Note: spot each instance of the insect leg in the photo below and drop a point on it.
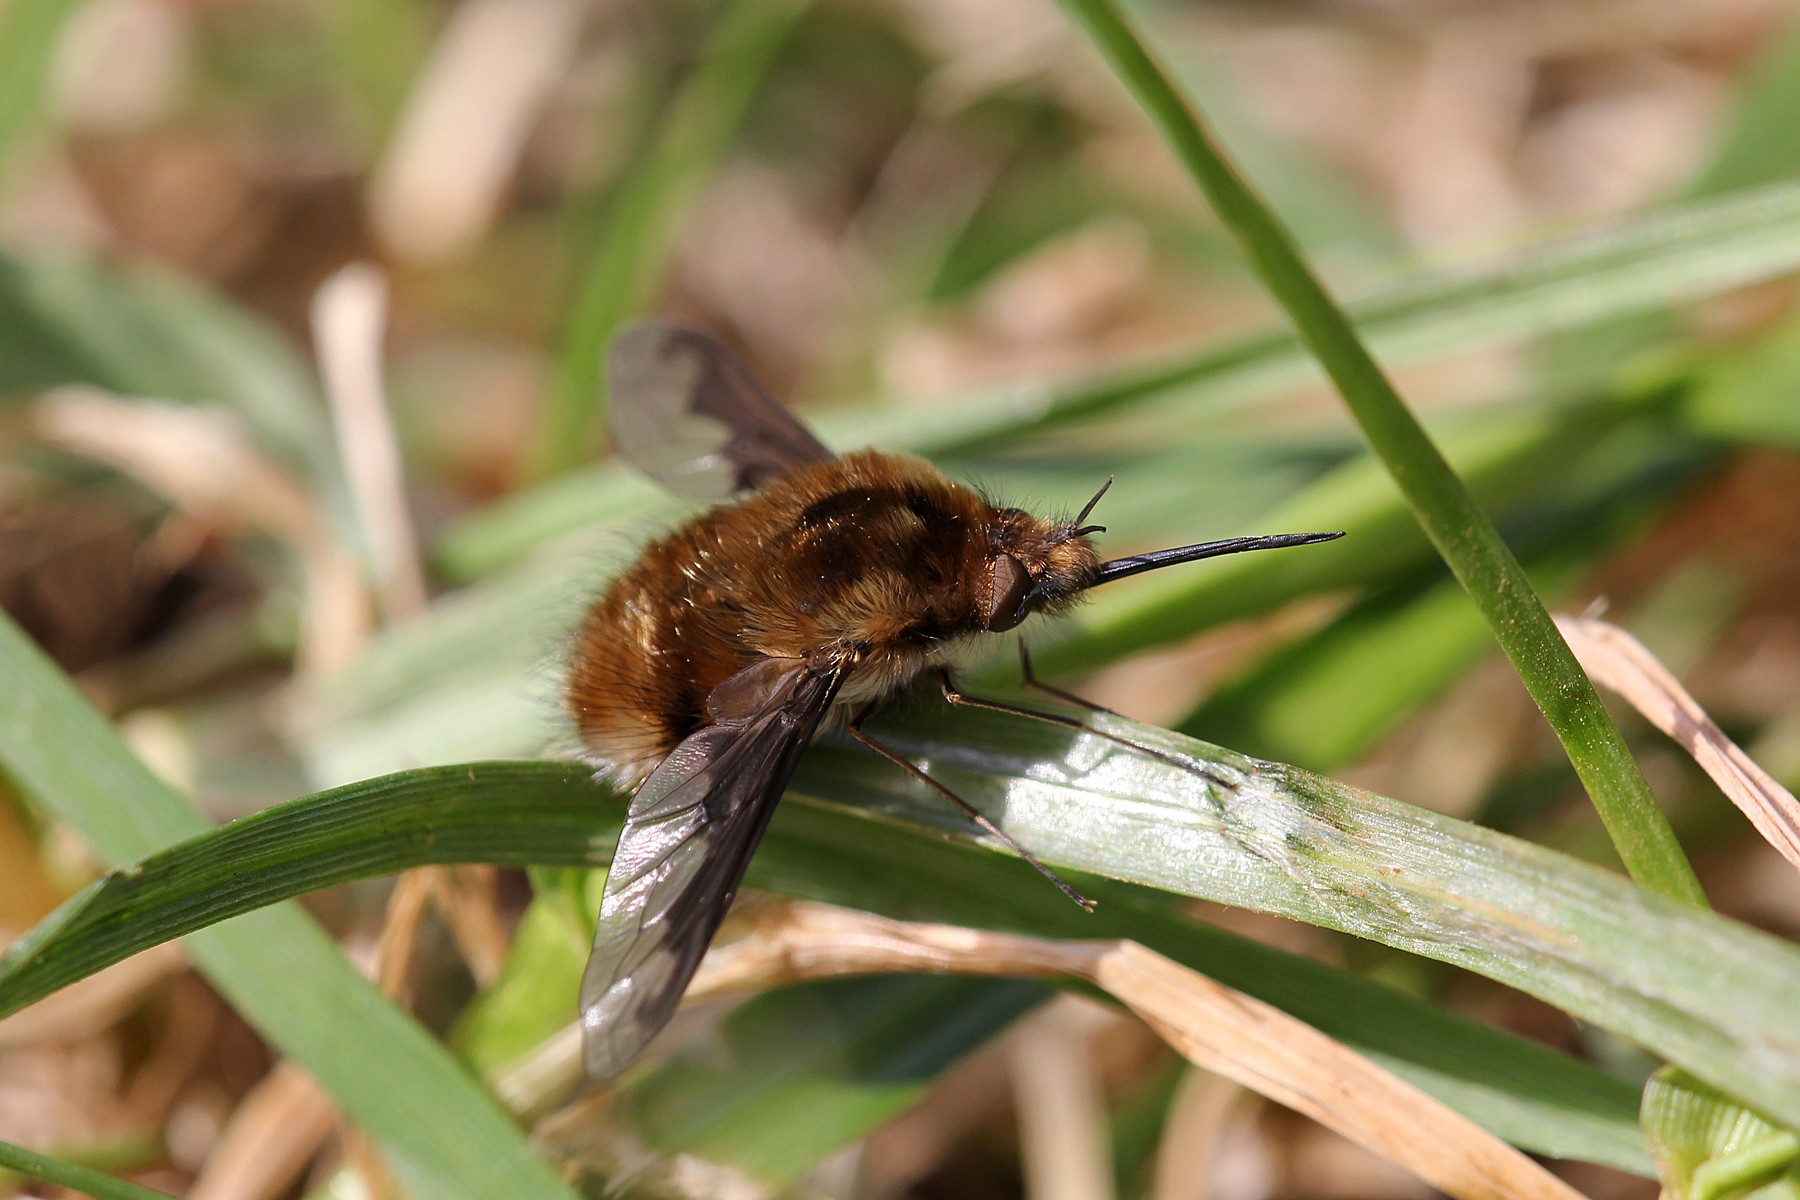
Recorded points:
(973, 813)
(953, 696)
(1032, 681)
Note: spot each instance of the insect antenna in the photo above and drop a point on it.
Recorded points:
(1076, 528)
(973, 813)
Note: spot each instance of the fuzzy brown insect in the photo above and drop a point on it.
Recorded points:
(704, 670)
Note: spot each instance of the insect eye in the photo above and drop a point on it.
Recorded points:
(1005, 602)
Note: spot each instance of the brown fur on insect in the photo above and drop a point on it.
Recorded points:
(874, 562)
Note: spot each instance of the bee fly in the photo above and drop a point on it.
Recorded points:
(818, 583)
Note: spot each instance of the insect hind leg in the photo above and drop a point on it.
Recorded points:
(954, 696)
(854, 726)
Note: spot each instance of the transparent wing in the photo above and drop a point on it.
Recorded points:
(686, 412)
(682, 852)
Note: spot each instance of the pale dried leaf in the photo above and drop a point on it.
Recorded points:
(1212, 1026)
(205, 464)
(1064, 1147)
(270, 1139)
(349, 319)
(445, 175)
(1619, 662)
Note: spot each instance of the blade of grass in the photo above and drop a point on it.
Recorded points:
(1456, 525)
(645, 212)
(1690, 985)
(1708, 1147)
(445, 1137)
(85, 1180)
(1336, 856)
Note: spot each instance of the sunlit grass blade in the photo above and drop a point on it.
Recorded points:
(1456, 525)
(85, 1180)
(277, 967)
(1698, 989)
(1701, 991)
(646, 211)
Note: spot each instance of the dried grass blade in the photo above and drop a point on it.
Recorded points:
(271, 1137)
(1211, 1025)
(1292, 1063)
(1621, 663)
(349, 320)
(204, 462)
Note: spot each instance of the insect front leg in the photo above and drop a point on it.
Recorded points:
(1029, 679)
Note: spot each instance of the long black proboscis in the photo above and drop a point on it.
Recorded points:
(1119, 568)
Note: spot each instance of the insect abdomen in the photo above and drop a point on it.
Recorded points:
(639, 679)
(859, 561)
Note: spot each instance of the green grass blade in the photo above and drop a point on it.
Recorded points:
(1707, 993)
(1708, 1147)
(1456, 525)
(85, 1180)
(645, 213)
(1703, 991)
(277, 967)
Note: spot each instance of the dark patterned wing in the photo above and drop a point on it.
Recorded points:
(682, 852)
(687, 413)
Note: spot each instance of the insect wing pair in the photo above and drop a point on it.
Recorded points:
(688, 414)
